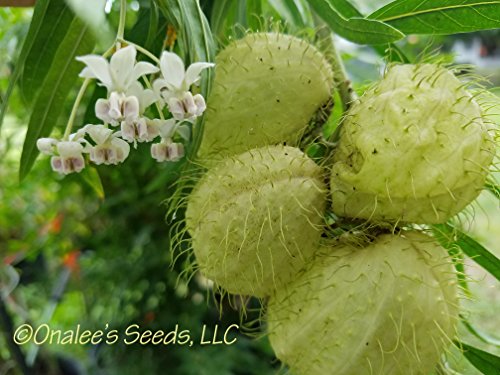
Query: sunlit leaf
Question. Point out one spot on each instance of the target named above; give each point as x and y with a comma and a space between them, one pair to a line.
440, 16
452, 236
487, 363
54, 90
357, 30
50, 35
41, 10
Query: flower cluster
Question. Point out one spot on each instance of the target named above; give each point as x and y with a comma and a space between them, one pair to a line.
123, 111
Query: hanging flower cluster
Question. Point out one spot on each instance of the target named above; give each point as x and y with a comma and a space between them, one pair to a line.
123, 111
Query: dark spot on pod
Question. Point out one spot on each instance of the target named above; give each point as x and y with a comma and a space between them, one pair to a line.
309, 82
277, 101
271, 68
261, 59
374, 151
366, 344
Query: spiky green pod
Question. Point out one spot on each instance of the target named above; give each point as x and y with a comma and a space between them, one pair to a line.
267, 87
389, 308
414, 149
255, 218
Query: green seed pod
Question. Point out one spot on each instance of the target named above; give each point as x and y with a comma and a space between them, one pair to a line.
267, 87
389, 308
413, 149
255, 218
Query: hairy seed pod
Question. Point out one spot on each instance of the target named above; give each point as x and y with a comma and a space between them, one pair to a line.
255, 218
389, 308
267, 87
413, 149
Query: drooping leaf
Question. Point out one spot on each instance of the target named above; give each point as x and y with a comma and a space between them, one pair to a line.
487, 363
357, 30
483, 336
291, 11
392, 53
345, 8
254, 11
149, 31
37, 21
192, 27
440, 16
452, 236
54, 90
218, 18
56, 23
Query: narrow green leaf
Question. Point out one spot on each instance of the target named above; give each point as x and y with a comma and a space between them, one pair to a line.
390, 52
91, 177
440, 16
149, 30
357, 30
483, 336
54, 90
290, 11
470, 247
192, 25
241, 16
487, 363
345, 8
35, 25
254, 11
220, 11
56, 23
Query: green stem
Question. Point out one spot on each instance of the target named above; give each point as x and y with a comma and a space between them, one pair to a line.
78, 100
123, 19
74, 111
342, 82
141, 50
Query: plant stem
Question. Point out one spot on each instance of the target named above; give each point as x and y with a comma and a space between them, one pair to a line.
78, 100
123, 19
74, 110
141, 50
342, 82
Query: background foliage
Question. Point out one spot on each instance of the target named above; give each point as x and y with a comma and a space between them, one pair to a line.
102, 238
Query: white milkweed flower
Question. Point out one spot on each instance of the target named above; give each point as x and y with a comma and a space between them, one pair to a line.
69, 157
167, 150
175, 83
47, 146
117, 108
109, 148
186, 106
120, 72
66, 155
140, 128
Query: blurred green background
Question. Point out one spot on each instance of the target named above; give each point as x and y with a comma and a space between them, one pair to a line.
69, 256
